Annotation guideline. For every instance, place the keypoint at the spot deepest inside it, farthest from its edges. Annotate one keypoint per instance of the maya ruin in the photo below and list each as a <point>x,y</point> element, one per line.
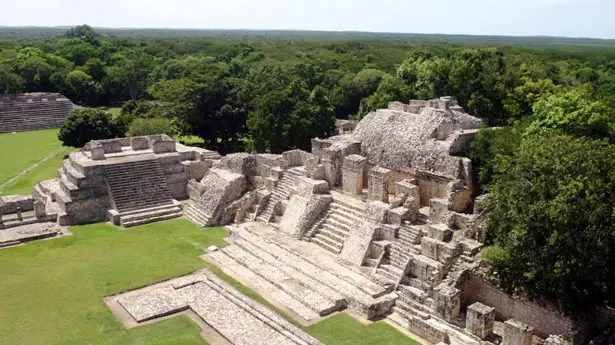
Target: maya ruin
<point>382,220</point>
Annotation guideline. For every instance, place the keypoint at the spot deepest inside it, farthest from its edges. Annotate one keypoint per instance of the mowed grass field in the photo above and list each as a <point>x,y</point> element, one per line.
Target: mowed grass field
<point>51,292</point>
<point>21,150</point>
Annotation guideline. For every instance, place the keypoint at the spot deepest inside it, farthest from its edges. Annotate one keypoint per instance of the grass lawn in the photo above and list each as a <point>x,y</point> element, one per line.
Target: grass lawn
<point>45,171</point>
<point>114,111</point>
<point>21,150</point>
<point>51,291</point>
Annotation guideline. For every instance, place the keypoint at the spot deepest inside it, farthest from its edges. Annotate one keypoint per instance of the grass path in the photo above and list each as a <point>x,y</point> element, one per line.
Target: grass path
<point>21,150</point>
<point>51,291</point>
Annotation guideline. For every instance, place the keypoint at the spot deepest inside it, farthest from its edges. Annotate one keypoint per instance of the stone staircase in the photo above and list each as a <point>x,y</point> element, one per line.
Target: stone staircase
<point>196,214</point>
<point>282,191</point>
<point>331,231</point>
<point>34,111</point>
<point>306,279</point>
<point>408,238</point>
<point>140,193</point>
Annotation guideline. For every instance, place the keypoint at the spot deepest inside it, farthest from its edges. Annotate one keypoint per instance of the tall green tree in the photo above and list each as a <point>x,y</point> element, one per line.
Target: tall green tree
<point>83,125</point>
<point>551,221</point>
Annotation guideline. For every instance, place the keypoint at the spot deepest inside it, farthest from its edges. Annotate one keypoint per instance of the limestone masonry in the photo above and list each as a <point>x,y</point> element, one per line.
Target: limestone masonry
<point>380,220</point>
<point>33,111</point>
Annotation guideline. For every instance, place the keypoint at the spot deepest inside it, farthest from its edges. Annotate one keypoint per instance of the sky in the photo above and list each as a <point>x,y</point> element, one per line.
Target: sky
<point>571,18</point>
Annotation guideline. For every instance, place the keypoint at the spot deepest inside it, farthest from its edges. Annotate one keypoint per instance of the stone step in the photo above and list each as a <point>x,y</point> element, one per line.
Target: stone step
<point>408,311</point>
<point>324,291</point>
<point>228,263</point>
<point>149,213</point>
<point>152,219</point>
<point>274,275</point>
<point>332,236</point>
<point>339,232</point>
<point>326,244</point>
<point>320,266</point>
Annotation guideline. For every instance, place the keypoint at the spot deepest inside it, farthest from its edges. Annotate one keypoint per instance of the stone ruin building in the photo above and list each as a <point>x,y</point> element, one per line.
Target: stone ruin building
<point>381,221</point>
<point>33,111</point>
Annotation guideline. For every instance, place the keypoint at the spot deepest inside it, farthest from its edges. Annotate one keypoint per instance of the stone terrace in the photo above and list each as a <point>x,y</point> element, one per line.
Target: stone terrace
<point>232,315</point>
<point>300,276</point>
<point>33,111</point>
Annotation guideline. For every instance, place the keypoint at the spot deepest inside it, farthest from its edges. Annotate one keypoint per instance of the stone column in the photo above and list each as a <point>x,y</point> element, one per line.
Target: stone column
<point>328,162</point>
<point>480,320</point>
<point>98,153</point>
<point>19,215</point>
<point>378,184</point>
<point>517,333</point>
<point>447,302</point>
<point>352,174</point>
<point>39,209</point>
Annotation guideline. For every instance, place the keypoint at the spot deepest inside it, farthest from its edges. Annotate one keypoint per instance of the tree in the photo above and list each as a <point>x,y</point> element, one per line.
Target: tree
<point>133,110</point>
<point>520,100</point>
<point>477,79</point>
<point>81,87</point>
<point>128,78</point>
<point>268,123</point>
<point>390,89</point>
<point>10,82</point>
<point>551,220</point>
<point>141,127</point>
<point>572,113</point>
<point>83,125</point>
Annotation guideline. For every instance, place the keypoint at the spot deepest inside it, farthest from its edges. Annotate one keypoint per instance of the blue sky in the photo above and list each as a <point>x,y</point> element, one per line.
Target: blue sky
<point>573,18</point>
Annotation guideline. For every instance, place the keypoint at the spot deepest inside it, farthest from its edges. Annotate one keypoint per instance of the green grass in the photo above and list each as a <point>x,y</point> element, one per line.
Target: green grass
<point>51,292</point>
<point>46,170</point>
<point>114,111</point>
<point>190,140</point>
<point>21,150</point>
<point>342,329</point>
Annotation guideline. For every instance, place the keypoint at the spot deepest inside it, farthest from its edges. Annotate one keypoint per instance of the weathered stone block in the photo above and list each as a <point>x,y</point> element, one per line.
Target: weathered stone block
<point>139,143</point>
<point>447,302</point>
<point>440,232</point>
<point>398,215</point>
<point>517,333</point>
<point>163,144</point>
<point>480,319</point>
<point>307,187</point>
<point>301,213</point>
<point>376,211</point>
<point>352,174</point>
<point>357,244</point>
<point>97,153</point>
<point>439,251</point>
<point>378,184</point>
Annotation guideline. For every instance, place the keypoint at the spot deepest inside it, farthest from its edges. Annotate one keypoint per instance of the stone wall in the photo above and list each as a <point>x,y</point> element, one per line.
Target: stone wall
<point>543,320</point>
<point>32,111</point>
<point>13,203</point>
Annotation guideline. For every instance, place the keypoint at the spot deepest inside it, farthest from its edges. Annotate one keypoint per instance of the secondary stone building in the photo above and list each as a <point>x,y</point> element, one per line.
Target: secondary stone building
<point>33,111</point>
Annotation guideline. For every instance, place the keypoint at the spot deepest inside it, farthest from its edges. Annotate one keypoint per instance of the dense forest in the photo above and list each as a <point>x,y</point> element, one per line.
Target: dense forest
<point>547,170</point>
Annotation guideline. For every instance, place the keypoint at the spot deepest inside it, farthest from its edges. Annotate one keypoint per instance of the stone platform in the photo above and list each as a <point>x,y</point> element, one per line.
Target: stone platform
<point>234,318</point>
<point>301,276</point>
<point>30,232</point>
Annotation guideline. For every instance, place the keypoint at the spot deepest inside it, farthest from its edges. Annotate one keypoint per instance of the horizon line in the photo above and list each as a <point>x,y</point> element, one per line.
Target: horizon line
<point>61,27</point>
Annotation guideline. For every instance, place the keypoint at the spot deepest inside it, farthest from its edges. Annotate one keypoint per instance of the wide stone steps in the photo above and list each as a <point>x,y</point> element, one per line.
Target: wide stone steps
<point>294,280</point>
<point>19,114</point>
<point>195,214</point>
<point>137,185</point>
<point>315,295</point>
<point>150,216</point>
<point>331,233</point>
<point>409,310</point>
<point>391,273</point>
